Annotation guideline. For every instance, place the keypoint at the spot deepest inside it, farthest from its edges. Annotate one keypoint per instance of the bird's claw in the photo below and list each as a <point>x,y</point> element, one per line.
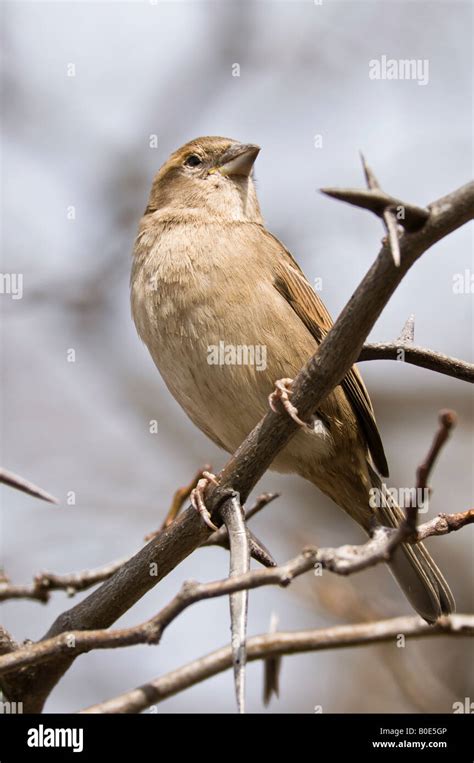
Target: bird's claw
<point>197,498</point>
<point>282,393</point>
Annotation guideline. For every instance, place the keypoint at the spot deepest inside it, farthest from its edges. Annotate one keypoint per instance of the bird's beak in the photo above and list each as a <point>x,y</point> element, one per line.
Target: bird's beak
<point>238,159</point>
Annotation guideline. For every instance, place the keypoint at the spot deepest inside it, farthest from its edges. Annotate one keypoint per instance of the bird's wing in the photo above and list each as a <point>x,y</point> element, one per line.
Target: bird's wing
<point>294,287</point>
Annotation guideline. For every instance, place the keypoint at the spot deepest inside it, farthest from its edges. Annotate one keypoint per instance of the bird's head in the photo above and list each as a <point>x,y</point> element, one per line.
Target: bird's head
<point>211,176</point>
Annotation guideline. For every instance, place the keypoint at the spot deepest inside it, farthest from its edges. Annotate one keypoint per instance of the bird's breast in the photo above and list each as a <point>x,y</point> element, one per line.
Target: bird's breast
<point>217,329</point>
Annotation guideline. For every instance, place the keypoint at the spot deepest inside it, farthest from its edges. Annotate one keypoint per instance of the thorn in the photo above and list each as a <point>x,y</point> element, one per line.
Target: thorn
<point>407,335</point>
<point>234,520</point>
<point>271,668</point>
<point>19,483</point>
<point>392,232</point>
<point>370,178</point>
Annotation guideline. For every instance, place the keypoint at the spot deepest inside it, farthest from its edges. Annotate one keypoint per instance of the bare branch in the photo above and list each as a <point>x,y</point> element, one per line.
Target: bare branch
<point>377,201</point>
<point>408,528</point>
<point>78,642</point>
<point>45,582</point>
<point>444,524</point>
<point>344,560</point>
<point>73,582</point>
<point>12,591</point>
<point>418,356</point>
<point>78,581</point>
<point>275,644</point>
<point>262,500</point>
<point>447,420</point>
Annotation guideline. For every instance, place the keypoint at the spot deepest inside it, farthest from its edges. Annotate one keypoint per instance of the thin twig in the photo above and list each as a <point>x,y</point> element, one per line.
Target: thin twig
<point>275,644</point>
<point>72,582</point>
<point>447,420</point>
<point>419,356</point>
<point>14,591</point>
<point>444,524</point>
<point>343,561</point>
<point>261,501</point>
<point>78,642</point>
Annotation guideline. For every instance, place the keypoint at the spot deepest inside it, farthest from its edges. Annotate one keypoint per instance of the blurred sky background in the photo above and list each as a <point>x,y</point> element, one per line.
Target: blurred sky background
<point>164,69</point>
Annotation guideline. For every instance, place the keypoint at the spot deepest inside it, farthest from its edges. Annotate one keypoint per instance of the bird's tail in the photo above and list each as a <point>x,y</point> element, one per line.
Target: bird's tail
<point>413,567</point>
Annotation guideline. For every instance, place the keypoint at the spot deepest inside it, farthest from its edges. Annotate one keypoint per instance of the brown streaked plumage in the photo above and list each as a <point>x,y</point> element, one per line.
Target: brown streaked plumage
<point>206,271</point>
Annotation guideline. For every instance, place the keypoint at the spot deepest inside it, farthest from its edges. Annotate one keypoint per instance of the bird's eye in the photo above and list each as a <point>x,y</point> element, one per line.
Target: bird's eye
<point>192,161</point>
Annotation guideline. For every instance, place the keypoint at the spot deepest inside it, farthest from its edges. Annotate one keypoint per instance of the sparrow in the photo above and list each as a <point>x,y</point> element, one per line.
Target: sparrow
<point>212,289</point>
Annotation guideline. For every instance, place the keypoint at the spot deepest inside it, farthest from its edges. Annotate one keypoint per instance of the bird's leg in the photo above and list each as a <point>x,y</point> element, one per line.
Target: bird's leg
<point>197,498</point>
<point>282,393</point>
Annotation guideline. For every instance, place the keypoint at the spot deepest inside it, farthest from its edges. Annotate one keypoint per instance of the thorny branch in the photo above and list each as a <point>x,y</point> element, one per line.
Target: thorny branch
<point>391,210</point>
<point>404,349</point>
<point>344,560</point>
<point>419,356</point>
<point>73,582</point>
<point>377,201</point>
<point>338,351</point>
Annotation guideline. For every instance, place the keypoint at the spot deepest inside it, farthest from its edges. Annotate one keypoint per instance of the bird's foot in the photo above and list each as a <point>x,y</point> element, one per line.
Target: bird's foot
<point>282,394</point>
<point>197,498</point>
